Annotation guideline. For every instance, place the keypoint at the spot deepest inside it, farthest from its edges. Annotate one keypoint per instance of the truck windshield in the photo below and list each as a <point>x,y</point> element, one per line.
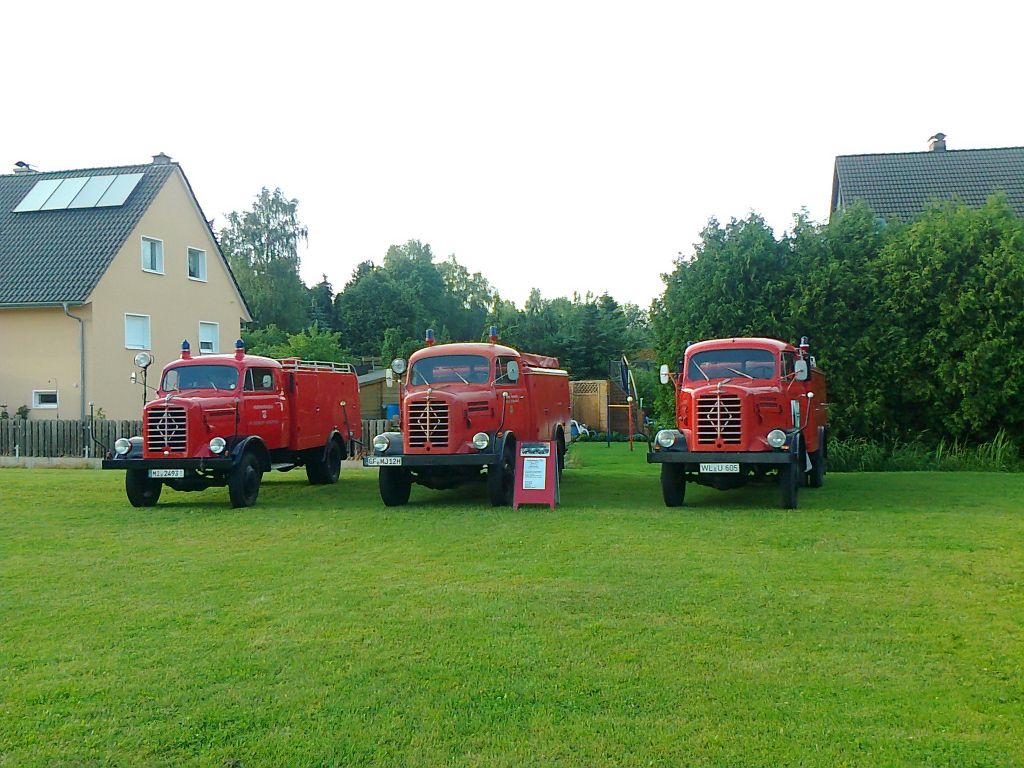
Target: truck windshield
<point>731,363</point>
<point>219,377</point>
<point>463,369</point>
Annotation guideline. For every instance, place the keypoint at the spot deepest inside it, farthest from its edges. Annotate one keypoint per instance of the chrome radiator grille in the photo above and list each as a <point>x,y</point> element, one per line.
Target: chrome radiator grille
<point>428,424</point>
<point>718,419</point>
<point>165,429</point>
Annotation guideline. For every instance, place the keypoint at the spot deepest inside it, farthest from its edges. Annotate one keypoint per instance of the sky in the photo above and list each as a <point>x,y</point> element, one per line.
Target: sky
<point>569,146</point>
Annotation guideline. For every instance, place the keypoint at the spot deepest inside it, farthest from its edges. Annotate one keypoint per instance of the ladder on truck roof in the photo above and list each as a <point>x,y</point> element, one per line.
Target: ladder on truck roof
<point>295,364</point>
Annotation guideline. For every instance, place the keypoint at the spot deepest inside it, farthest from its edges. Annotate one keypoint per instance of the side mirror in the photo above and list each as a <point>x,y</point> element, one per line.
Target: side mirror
<point>800,368</point>
<point>663,374</point>
<point>389,377</point>
<point>512,371</point>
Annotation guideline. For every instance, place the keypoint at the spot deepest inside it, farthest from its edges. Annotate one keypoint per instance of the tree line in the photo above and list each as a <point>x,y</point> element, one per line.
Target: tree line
<point>919,326</point>
<point>384,309</point>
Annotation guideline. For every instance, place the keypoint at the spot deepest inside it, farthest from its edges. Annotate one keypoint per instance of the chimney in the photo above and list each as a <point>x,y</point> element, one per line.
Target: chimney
<point>22,167</point>
<point>161,159</point>
<point>937,143</point>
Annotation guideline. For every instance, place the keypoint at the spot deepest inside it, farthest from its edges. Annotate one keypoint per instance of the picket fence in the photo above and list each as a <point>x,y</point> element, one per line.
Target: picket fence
<point>66,437</point>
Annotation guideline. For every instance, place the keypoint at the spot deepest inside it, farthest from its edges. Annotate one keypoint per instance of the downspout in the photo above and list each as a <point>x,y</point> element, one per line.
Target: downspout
<point>81,357</point>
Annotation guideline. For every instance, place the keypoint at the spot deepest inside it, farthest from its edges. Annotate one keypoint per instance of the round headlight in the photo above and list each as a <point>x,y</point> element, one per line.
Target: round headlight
<point>122,445</point>
<point>666,438</point>
<point>481,440</point>
<point>143,360</point>
<point>218,444</point>
<point>776,438</point>
<point>398,365</point>
<point>381,443</point>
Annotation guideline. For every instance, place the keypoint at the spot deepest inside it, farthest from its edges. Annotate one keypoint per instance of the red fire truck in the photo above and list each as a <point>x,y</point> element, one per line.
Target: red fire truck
<point>746,409</point>
<point>464,407</point>
<point>226,419</point>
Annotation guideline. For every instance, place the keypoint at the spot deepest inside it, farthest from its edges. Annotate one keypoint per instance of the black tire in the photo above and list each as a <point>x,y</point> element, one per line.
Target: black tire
<point>789,483</point>
<point>395,485</point>
<point>244,481</point>
<point>819,462</point>
<point>561,454</point>
<point>816,477</point>
<point>501,478</point>
<point>141,490</point>
<point>327,469</point>
<point>673,484</point>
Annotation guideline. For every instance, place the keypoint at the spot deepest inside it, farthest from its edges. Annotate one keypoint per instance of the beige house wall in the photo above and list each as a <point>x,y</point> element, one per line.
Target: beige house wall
<point>174,302</point>
<point>42,345</point>
<point>40,353</point>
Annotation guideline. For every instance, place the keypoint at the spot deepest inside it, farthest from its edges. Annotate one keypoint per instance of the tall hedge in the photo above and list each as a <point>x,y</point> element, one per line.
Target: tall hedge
<point>919,326</point>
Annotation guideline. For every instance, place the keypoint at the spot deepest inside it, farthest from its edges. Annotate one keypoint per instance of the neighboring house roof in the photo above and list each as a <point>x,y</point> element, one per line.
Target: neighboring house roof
<point>902,185</point>
<point>49,257</point>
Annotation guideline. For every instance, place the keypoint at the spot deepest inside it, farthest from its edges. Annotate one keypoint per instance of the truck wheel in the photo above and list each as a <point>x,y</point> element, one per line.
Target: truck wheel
<point>819,461</point>
<point>816,477</point>
<point>673,484</point>
<point>141,490</point>
<point>325,470</point>
<point>244,481</point>
<point>501,479</point>
<point>561,454</point>
<point>395,485</point>
<point>789,483</point>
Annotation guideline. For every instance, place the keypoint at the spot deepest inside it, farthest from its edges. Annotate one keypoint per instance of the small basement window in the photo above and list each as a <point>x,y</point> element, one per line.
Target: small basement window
<point>136,331</point>
<point>209,338</point>
<point>45,398</point>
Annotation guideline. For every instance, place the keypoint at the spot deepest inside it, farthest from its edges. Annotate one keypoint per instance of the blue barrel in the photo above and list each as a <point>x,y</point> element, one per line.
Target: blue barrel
<point>391,411</point>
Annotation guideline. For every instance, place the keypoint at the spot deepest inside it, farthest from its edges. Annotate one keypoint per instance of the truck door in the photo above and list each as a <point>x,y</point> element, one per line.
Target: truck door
<point>263,406</point>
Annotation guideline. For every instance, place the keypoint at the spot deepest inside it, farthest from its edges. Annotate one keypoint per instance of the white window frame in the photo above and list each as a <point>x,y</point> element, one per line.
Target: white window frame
<point>142,255</point>
<point>149,331</point>
<point>216,337</point>
<point>188,252</point>
<point>36,405</point>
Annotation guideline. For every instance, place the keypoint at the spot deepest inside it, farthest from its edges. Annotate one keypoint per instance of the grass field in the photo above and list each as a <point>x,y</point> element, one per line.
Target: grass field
<point>880,624</point>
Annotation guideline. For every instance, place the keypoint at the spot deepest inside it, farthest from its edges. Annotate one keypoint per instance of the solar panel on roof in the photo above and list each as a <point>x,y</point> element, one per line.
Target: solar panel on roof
<point>38,195</point>
<point>79,192</point>
<point>64,194</point>
<point>92,192</point>
<point>119,190</point>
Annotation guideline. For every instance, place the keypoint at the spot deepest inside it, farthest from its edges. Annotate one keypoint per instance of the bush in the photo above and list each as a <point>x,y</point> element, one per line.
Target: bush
<point>860,455</point>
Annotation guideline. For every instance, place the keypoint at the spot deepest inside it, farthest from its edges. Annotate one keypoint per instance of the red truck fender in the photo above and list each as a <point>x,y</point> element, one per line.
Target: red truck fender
<point>254,444</point>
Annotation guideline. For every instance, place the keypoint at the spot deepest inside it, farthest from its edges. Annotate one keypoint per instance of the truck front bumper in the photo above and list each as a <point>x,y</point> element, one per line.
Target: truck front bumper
<point>416,460</point>
<point>221,463</point>
<point>716,457</point>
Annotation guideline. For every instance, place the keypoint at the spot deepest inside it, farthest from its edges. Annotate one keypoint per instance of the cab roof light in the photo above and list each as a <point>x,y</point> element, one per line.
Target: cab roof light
<point>239,349</point>
<point>494,334</point>
<point>186,350</point>
<point>430,337</point>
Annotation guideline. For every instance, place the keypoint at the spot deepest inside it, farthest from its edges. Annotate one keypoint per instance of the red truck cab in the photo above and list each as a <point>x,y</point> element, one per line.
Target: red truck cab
<point>464,407</point>
<point>226,419</point>
<point>746,409</point>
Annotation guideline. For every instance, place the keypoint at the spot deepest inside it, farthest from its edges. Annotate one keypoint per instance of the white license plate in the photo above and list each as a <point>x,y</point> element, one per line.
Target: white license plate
<point>167,473</point>
<point>383,461</point>
<point>710,469</point>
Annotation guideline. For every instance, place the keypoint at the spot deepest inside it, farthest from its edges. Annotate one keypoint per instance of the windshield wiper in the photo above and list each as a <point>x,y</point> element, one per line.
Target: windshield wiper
<point>739,373</point>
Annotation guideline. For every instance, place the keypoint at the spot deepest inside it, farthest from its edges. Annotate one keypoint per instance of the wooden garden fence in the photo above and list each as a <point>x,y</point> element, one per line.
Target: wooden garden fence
<point>66,437</point>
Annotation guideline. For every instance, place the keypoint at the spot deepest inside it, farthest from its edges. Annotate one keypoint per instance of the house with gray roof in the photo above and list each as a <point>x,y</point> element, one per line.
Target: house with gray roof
<point>96,266</point>
<point>903,184</point>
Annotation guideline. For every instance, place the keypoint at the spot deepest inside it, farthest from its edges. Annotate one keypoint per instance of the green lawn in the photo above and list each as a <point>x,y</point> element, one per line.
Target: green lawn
<point>879,624</point>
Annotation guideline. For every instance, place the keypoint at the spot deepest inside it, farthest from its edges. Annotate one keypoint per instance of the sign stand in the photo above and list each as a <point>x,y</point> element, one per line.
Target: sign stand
<point>536,474</point>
